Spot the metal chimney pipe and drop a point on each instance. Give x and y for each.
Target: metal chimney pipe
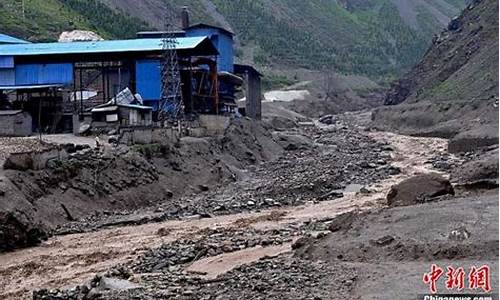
(185, 17)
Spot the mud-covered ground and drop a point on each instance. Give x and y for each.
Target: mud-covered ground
(316, 163)
(245, 237)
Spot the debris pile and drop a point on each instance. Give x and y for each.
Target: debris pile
(337, 156)
(274, 278)
(79, 36)
(211, 242)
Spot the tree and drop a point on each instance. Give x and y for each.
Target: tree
(330, 84)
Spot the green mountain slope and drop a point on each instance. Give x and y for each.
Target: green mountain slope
(44, 20)
(453, 91)
(378, 38)
(460, 65)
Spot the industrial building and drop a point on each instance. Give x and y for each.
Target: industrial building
(59, 84)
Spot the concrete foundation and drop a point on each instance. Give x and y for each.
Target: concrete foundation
(15, 123)
(33, 160)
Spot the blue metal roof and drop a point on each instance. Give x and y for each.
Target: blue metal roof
(135, 45)
(7, 39)
(29, 87)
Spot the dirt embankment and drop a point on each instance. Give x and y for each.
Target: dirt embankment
(461, 232)
(90, 182)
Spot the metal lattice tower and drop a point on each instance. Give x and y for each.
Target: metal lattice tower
(170, 106)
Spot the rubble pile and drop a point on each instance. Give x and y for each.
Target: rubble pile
(10, 145)
(211, 242)
(282, 277)
(279, 278)
(337, 157)
(162, 274)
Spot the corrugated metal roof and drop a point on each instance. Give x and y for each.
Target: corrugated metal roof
(138, 45)
(7, 39)
(29, 87)
(104, 109)
(10, 112)
(115, 107)
(203, 25)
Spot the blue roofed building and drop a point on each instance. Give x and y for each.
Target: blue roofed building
(71, 78)
(59, 81)
(221, 38)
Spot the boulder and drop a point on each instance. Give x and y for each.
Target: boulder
(343, 221)
(292, 142)
(419, 189)
(16, 232)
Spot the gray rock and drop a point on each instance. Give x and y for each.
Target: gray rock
(419, 189)
(343, 221)
(459, 234)
(328, 119)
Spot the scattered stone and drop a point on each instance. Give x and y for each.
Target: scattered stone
(203, 188)
(163, 231)
(331, 195)
(459, 234)
(364, 190)
(301, 242)
(384, 241)
(454, 24)
(107, 283)
(211, 242)
(328, 119)
(394, 171)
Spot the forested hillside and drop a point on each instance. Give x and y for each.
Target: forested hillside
(378, 38)
(44, 20)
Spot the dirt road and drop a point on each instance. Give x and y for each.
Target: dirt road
(72, 259)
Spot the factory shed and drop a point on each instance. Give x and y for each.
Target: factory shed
(121, 115)
(72, 78)
(124, 110)
(253, 90)
(221, 38)
(99, 50)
